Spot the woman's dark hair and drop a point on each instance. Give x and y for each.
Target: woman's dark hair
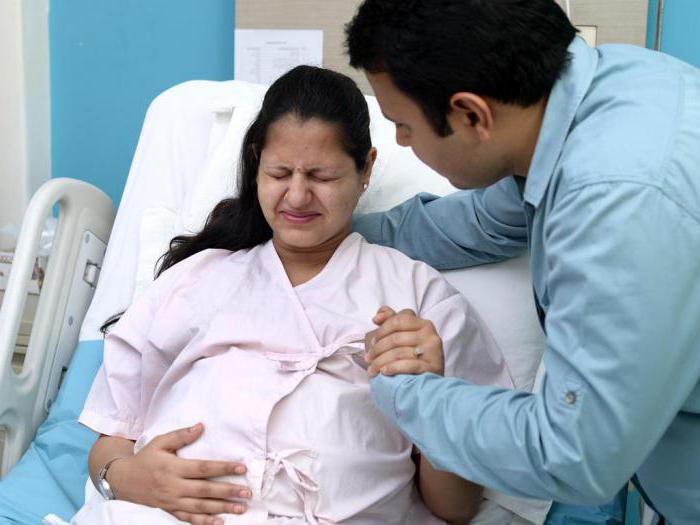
(510, 50)
(305, 92)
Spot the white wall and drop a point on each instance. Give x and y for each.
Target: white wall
(24, 106)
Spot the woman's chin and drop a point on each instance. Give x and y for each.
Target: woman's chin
(304, 240)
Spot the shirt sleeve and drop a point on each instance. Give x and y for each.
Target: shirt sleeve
(465, 228)
(471, 352)
(113, 406)
(130, 370)
(621, 357)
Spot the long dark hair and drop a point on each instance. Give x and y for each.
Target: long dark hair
(305, 92)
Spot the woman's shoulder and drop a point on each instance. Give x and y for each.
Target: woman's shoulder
(205, 265)
(388, 257)
(210, 258)
(195, 262)
(428, 284)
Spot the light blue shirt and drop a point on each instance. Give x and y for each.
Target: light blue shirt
(610, 214)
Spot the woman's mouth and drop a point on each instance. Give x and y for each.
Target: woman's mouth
(299, 217)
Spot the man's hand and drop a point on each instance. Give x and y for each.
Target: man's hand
(403, 344)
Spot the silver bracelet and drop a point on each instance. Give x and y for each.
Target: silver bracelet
(102, 485)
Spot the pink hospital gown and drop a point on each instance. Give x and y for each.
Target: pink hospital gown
(223, 338)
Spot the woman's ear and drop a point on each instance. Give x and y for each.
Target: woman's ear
(470, 112)
(369, 164)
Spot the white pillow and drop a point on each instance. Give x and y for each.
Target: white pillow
(219, 179)
(502, 294)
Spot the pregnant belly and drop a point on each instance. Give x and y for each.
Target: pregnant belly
(313, 443)
(361, 464)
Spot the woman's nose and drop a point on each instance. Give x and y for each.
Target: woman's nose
(298, 192)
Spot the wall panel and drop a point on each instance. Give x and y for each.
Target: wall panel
(617, 21)
(109, 59)
(328, 15)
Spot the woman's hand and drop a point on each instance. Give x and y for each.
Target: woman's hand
(156, 477)
(403, 344)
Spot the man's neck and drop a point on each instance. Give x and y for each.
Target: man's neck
(525, 125)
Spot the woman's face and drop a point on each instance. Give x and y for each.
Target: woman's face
(308, 186)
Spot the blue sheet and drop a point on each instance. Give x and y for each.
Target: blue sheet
(50, 477)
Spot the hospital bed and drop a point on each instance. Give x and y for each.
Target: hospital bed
(185, 163)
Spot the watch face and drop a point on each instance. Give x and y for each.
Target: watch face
(105, 490)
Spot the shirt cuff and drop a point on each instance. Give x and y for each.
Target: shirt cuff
(384, 390)
(111, 426)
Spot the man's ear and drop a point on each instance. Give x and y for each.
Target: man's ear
(367, 173)
(473, 112)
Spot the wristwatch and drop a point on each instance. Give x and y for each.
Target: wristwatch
(102, 485)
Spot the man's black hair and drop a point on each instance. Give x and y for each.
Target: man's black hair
(510, 50)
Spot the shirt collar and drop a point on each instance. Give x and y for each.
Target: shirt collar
(562, 105)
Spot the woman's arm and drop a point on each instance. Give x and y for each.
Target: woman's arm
(156, 477)
(392, 350)
(448, 496)
(105, 449)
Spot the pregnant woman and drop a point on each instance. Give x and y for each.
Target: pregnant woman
(252, 336)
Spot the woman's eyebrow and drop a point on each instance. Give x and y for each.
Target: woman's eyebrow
(326, 170)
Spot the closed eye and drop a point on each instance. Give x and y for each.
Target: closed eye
(323, 175)
(278, 173)
(323, 178)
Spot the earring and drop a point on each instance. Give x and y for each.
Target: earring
(365, 186)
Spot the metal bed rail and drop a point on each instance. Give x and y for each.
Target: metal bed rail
(85, 218)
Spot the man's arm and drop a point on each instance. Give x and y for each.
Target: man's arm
(621, 353)
(466, 228)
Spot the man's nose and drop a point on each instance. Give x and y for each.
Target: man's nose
(401, 139)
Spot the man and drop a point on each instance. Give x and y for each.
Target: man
(589, 159)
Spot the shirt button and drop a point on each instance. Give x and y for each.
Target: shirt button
(570, 397)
